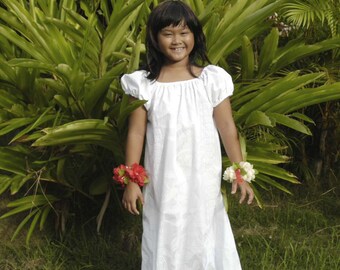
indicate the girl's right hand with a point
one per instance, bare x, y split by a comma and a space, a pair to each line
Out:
131, 194
245, 189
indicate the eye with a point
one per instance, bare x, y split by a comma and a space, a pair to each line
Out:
185, 33
167, 34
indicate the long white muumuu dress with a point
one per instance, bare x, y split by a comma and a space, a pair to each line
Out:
185, 225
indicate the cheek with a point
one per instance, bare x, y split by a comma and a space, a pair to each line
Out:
161, 46
191, 39
191, 42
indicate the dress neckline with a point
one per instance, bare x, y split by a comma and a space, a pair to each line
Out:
184, 81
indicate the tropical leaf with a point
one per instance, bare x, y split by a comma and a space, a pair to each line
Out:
33, 203
88, 131
258, 118
247, 59
268, 51
304, 13
226, 33
274, 92
289, 122
12, 161
5, 182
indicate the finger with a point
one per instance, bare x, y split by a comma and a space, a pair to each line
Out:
134, 209
124, 204
251, 197
128, 208
243, 194
234, 187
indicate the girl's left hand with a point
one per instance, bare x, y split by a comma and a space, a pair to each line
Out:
245, 189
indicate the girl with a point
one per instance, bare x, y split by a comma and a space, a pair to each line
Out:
185, 225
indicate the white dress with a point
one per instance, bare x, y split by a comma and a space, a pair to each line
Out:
185, 225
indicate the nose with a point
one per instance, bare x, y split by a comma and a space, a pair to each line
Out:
175, 39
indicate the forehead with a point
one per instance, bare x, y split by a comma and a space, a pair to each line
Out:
181, 26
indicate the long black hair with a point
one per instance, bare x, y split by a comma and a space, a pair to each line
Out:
173, 13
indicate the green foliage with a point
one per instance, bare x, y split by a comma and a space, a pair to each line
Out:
63, 113
304, 13
61, 104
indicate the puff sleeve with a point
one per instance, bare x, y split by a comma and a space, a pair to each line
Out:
218, 83
136, 85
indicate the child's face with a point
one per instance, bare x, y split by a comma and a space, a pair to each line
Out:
176, 43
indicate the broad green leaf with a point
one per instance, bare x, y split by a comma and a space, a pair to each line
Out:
30, 63
14, 124
247, 59
93, 37
60, 169
23, 223
42, 36
32, 201
291, 123
295, 53
266, 157
265, 146
229, 16
43, 118
272, 182
6, 71
46, 210
268, 51
239, 26
18, 181
89, 131
302, 117
21, 42
7, 99
135, 56
118, 27
32, 226
12, 161
306, 97
271, 94
95, 96
5, 182
276, 172
258, 118
257, 194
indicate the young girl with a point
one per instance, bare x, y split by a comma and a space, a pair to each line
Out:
185, 225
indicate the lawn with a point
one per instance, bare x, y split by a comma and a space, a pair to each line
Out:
291, 232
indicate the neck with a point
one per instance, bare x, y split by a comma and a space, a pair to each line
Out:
176, 65
170, 72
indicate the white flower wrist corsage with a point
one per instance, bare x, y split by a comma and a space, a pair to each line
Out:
240, 172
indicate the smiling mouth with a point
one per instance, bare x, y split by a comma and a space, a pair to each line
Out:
179, 49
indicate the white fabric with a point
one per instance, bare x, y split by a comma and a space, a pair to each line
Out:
185, 225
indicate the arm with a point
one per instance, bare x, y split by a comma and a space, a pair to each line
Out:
134, 148
225, 124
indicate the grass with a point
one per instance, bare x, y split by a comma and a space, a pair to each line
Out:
291, 232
